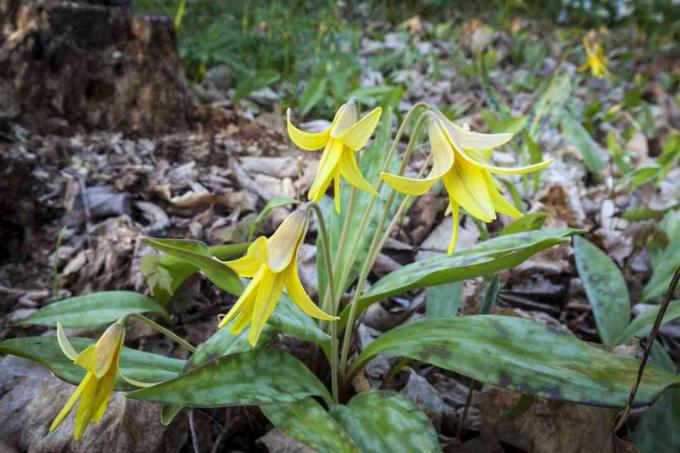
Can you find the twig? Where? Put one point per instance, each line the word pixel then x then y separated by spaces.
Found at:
pixel 192 428
pixel 461 422
pixel 648 346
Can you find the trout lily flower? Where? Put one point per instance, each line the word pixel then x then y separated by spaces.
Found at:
pixel 595 58
pixel 272 265
pixel 346 135
pixel 100 360
pixel 460 161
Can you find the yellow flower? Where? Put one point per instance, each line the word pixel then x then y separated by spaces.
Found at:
pixel 272 265
pixel 595 58
pixel 459 160
pixel 346 134
pixel 101 362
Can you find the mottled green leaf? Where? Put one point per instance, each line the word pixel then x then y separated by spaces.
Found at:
pixel 221 343
pixel 657 430
pixel 381 421
pixel 529 222
pixel 309 423
pixel 642 325
pixel 490 295
pixel 606 290
pixel 94 309
pixel 443 301
pixel 138 365
pixel 483 259
pixel 289 319
pixel 521 355
pixel 668 261
pixel 579 137
pixel 257 377
pixel 198 254
pixel 164 273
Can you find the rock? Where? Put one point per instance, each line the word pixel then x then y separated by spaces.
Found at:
pixel 32 397
pixel 277 442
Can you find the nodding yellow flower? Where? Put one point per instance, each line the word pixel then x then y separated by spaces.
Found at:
pixel 346 134
pixel 595 58
pixel 272 265
pixel 459 160
pixel 101 362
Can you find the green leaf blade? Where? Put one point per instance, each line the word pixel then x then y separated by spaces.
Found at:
pixel 606 290
pixel 524 356
pixel 94 309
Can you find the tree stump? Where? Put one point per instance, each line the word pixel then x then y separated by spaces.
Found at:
pixel 90 65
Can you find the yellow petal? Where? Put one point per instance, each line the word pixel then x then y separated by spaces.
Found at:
pixel 104 391
pixel 347 115
pixel 282 245
pixel 504 170
pixel 350 171
pixel 268 293
pixel 86 408
pixel 107 348
pixel 309 141
pixel 463 139
pixel 71 402
pixel 87 359
pixel 65 344
pixel 298 294
pixel 443 156
pixel 500 204
pixel 248 265
pixel 245 298
pixel 356 136
pixel 245 318
pixel 455 212
pixel 336 191
pixel 329 160
pixel 465 184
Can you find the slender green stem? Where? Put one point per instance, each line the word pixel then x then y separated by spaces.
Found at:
pixel 374 250
pixel 158 328
pixel 323 233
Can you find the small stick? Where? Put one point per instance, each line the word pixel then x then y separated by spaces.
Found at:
pixel 648 346
pixel 461 422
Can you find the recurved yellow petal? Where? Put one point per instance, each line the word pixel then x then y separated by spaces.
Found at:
pixel 71 402
pixel 465 184
pixel 65 344
pixel 245 298
pixel 443 157
pixel 347 115
pixel 463 139
pixel 329 161
pixel 336 190
pixel 268 292
pixel 248 265
pixel 455 214
pixel 300 297
pixel 85 410
pixel 87 359
pixel 282 245
pixel 107 348
pixel 356 136
pixel 350 171
pixel 500 204
pixel 244 319
pixel 309 141
pixel 103 396
pixel 504 170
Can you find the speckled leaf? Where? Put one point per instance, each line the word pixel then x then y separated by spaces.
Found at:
pixel 381 421
pixel 198 254
pixel 606 290
pixel 164 273
pixel 664 263
pixel 94 309
pixel 289 319
pixel 443 301
pixel 482 259
pixel 528 222
pixel 138 365
pixel 657 430
pixel 221 343
pixel 642 325
pixel 578 136
pixel 307 422
pixel 256 377
pixel 521 355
